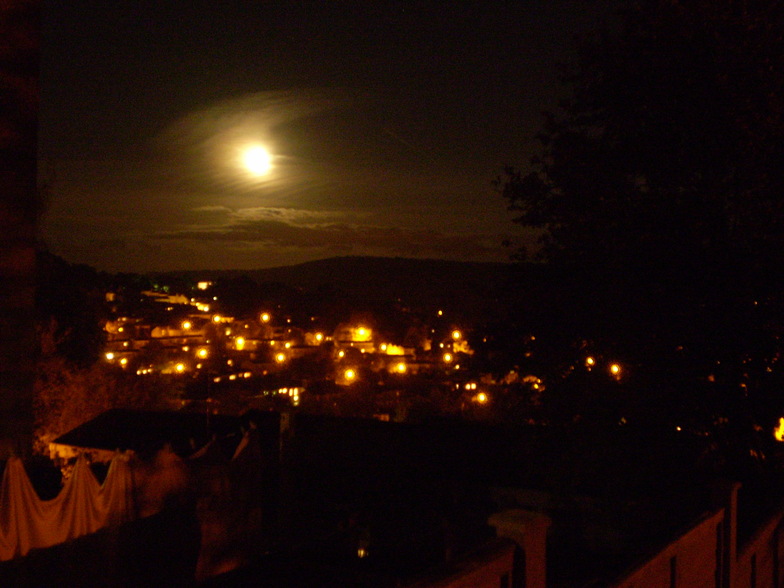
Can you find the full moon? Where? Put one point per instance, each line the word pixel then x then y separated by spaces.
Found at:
pixel 257 160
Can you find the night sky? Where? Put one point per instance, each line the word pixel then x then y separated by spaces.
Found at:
pixel 386 123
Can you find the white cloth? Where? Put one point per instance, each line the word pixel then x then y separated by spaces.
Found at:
pixel 83 506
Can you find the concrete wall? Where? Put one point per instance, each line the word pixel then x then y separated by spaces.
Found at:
pixel 493 569
pixel 706 555
pixel 759 563
pixel 692 560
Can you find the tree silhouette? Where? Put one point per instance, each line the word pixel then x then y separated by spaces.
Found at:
pixel 658 184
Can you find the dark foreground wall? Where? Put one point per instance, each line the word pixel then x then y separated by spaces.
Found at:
pixel 20 30
pixel 161 550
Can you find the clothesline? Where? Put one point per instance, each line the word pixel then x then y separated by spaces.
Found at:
pixel 84 505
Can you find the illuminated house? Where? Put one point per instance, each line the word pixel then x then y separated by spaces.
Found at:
pixel 351 335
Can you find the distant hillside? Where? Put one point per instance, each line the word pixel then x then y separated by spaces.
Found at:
pixel 462 287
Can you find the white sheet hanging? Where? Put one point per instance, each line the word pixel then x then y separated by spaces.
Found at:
pixel 83 506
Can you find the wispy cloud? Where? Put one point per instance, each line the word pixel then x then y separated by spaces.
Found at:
pixel 342 237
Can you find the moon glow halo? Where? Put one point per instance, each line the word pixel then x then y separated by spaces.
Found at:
pixel 257 160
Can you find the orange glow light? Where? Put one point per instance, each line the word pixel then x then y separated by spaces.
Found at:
pixel 778 432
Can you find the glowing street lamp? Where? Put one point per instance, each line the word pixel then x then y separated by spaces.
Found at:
pixel 778 432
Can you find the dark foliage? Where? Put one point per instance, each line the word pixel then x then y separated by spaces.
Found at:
pixel 658 185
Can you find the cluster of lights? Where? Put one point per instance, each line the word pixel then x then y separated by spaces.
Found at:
pixel 361 334
pixel 110 356
pixel 614 368
pixel 292 393
pixel 232 377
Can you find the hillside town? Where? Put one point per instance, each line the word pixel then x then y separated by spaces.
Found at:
pixel 228 364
